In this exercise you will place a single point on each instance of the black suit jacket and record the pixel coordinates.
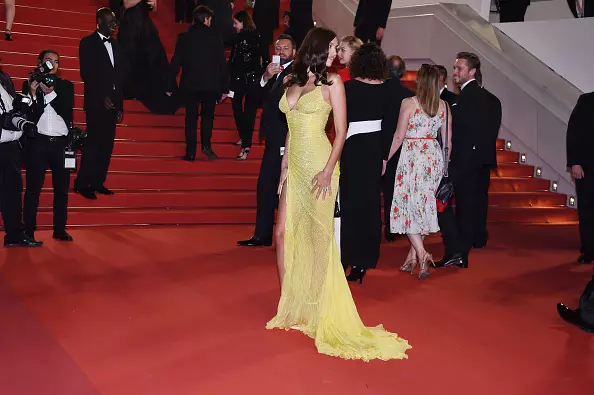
(472, 143)
(588, 8)
(372, 14)
(8, 85)
(222, 21)
(266, 15)
(580, 132)
(448, 96)
(200, 53)
(399, 93)
(273, 123)
(101, 78)
(63, 104)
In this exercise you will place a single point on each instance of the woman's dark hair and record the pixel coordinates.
(369, 62)
(244, 17)
(201, 13)
(312, 56)
(43, 53)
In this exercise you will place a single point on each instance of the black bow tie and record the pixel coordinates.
(106, 39)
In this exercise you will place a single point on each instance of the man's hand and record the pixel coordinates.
(108, 103)
(379, 35)
(577, 172)
(271, 70)
(46, 90)
(33, 88)
(120, 117)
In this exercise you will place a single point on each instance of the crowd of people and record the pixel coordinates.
(385, 140)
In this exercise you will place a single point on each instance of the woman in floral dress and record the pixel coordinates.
(420, 167)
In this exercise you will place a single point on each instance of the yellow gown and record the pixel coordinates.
(316, 298)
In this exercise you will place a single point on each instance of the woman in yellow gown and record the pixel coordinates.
(315, 297)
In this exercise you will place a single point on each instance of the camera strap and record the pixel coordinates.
(2, 105)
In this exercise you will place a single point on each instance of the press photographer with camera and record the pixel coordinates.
(11, 183)
(53, 102)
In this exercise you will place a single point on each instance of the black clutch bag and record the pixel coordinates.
(77, 137)
(445, 190)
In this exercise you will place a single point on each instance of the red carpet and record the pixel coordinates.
(162, 311)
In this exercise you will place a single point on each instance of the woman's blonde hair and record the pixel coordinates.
(353, 42)
(427, 90)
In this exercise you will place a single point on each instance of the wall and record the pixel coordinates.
(558, 44)
(480, 6)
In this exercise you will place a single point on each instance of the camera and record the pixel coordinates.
(16, 119)
(42, 75)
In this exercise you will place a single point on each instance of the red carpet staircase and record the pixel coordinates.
(154, 187)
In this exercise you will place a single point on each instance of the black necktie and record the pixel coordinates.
(106, 39)
(279, 79)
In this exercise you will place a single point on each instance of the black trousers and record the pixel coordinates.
(482, 205)
(44, 152)
(266, 40)
(449, 231)
(11, 185)
(585, 194)
(206, 102)
(97, 149)
(184, 10)
(512, 11)
(367, 34)
(388, 190)
(245, 114)
(267, 197)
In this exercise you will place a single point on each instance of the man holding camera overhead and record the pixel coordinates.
(52, 112)
(11, 183)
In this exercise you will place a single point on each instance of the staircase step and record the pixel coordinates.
(512, 170)
(169, 149)
(507, 157)
(535, 215)
(526, 199)
(134, 106)
(175, 165)
(30, 59)
(140, 133)
(32, 49)
(519, 184)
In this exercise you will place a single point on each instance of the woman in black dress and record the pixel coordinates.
(147, 67)
(245, 68)
(371, 117)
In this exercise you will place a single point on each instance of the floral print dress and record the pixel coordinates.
(419, 172)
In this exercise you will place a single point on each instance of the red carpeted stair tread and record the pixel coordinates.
(175, 165)
(169, 149)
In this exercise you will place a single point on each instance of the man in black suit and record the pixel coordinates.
(52, 112)
(445, 94)
(11, 183)
(581, 8)
(580, 159)
(370, 20)
(397, 69)
(222, 20)
(491, 127)
(512, 10)
(200, 53)
(101, 71)
(301, 20)
(266, 19)
(273, 126)
(473, 155)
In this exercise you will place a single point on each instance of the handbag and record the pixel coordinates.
(445, 190)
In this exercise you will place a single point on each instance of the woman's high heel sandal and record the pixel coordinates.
(243, 155)
(357, 274)
(8, 36)
(424, 268)
(408, 266)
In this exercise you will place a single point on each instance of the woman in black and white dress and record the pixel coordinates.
(371, 120)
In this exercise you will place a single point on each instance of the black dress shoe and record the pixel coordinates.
(62, 236)
(573, 317)
(86, 193)
(463, 264)
(449, 260)
(104, 191)
(254, 242)
(23, 241)
(585, 259)
(356, 274)
(209, 153)
(390, 237)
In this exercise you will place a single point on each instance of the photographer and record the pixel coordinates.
(11, 183)
(53, 100)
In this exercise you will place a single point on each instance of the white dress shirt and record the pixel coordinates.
(8, 135)
(263, 83)
(51, 123)
(108, 47)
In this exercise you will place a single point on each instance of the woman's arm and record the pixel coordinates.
(403, 118)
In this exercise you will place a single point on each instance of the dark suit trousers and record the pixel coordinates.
(11, 185)
(245, 114)
(206, 102)
(367, 34)
(267, 196)
(449, 230)
(466, 182)
(512, 11)
(42, 153)
(388, 189)
(482, 205)
(585, 194)
(97, 149)
(266, 40)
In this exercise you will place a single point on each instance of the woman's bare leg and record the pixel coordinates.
(10, 10)
(279, 234)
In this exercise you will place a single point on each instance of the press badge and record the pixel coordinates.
(69, 158)
(282, 151)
